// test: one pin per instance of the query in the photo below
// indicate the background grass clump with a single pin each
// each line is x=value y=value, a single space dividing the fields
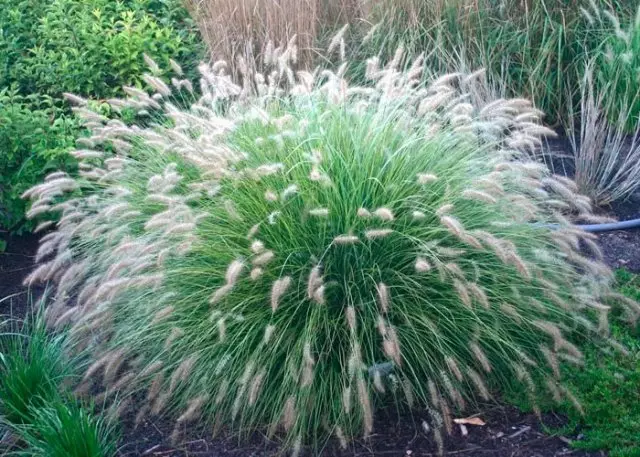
x=251 y=263
x=39 y=415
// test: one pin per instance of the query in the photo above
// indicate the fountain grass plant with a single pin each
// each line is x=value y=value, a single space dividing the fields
x=249 y=262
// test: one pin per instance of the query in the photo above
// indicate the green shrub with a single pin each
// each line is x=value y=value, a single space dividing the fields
x=35 y=138
x=90 y=48
x=34 y=404
x=253 y=263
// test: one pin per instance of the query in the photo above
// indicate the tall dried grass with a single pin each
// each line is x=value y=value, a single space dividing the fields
x=235 y=29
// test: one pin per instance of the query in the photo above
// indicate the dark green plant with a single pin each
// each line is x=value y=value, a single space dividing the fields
x=64 y=428
x=34 y=404
x=32 y=365
x=35 y=137
x=90 y=48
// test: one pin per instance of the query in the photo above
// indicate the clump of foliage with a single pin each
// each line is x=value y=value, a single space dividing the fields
x=607 y=387
x=34 y=405
x=35 y=138
x=257 y=260
x=89 y=48
x=619 y=66
x=606 y=159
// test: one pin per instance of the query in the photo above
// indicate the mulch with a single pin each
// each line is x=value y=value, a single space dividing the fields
x=507 y=433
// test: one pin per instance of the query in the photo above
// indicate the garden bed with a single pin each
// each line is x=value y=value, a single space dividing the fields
x=508 y=432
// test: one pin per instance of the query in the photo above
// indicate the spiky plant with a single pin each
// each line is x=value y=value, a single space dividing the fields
x=255 y=260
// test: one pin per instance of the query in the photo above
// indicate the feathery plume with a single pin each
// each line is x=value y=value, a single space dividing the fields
x=278 y=289
x=384 y=297
x=384 y=214
x=379 y=233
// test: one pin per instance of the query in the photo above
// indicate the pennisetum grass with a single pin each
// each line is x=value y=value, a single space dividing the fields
x=407 y=228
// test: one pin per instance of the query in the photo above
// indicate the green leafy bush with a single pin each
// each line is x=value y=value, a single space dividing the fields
x=89 y=48
x=257 y=262
x=35 y=138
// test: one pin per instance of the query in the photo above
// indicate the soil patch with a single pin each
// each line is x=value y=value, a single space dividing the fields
x=507 y=433
x=16 y=262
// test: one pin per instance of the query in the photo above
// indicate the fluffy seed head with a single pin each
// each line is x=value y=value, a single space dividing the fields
x=278 y=289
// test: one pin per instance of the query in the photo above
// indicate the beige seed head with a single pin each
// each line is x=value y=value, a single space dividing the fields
x=365 y=404
x=257 y=247
x=384 y=296
x=315 y=281
x=453 y=225
x=480 y=356
x=318 y=295
x=289 y=192
x=479 y=195
x=270 y=196
x=162 y=314
x=364 y=213
x=350 y=314
x=422 y=266
x=319 y=212
x=552 y=360
x=253 y=231
x=263 y=259
x=268 y=333
x=220 y=293
x=341 y=437
x=233 y=271
x=477 y=381
x=444 y=209
x=289 y=413
x=418 y=215
x=346 y=399
x=256 y=273
x=426 y=178
x=463 y=293
x=407 y=388
x=173 y=335
x=278 y=289
x=256 y=384
x=222 y=392
x=453 y=367
x=346 y=239
x=384 y=214
x=375 y=234
x=193 y=409
x=377 y=381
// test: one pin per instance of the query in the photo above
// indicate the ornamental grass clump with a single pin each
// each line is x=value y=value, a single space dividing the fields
x=253 y=261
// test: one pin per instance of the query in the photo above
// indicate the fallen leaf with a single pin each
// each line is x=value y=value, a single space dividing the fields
x=470 y=421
